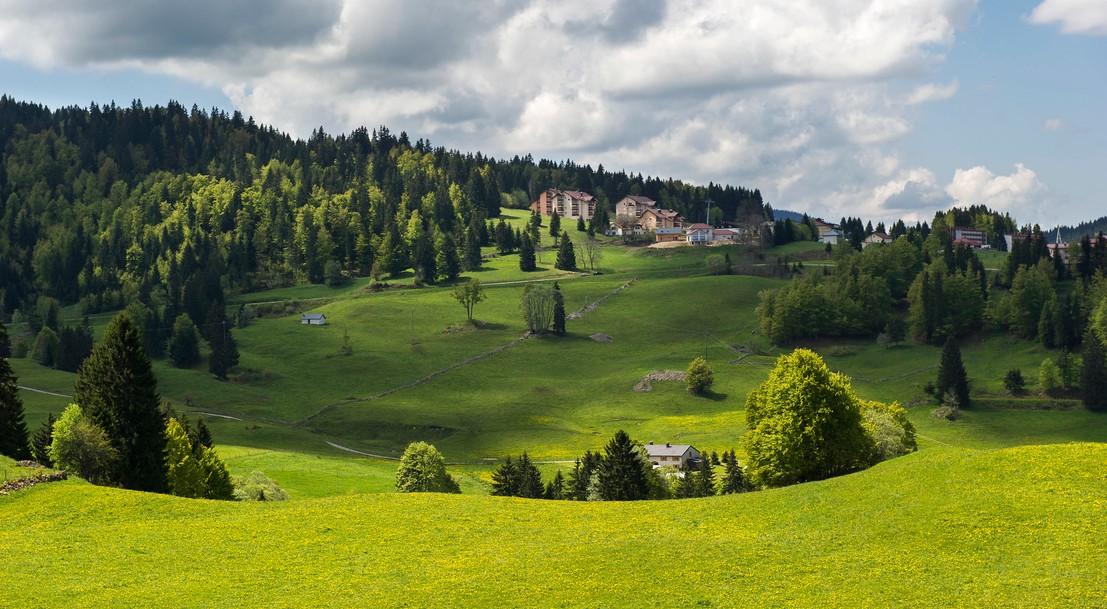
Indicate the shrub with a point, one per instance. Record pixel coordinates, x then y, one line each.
1014 382
699 376
892 433
257 487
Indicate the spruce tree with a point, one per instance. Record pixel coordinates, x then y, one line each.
705 478
530 479
555 489
184 345
559 311
13 430
951 374
623 474
41 441
472 245
505 480
734 479
117 389
580 478
566 257
555 225
527 257
581 227
203 434
224 350
1093 384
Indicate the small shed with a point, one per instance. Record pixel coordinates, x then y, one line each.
313 319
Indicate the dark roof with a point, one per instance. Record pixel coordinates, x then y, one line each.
313 316
667 450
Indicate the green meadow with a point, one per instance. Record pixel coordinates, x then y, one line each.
1000 507
943 527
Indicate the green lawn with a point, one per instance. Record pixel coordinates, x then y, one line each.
940 528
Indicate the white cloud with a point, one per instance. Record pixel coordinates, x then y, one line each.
1074 16
931 92
1020 193
803 99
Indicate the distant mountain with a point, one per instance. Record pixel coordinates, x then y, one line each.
1070 234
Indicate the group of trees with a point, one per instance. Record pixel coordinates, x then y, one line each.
622 472
805 423
107 206
116 433
543 308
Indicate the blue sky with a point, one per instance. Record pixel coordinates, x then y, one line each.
882 109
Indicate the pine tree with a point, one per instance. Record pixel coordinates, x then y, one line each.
623 471
1093 384
555 225
13 430
951 374
566 257
116 387
505 480
40 442
530 479
224 349
555 489
705 478
580 478
734 479
527 257
559 311
203 434
184 344
580 224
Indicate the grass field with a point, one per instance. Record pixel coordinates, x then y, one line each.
940 528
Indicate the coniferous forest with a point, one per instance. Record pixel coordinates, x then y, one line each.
108 206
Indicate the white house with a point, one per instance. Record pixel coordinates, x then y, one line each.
698 234
313 319
672 455
830 236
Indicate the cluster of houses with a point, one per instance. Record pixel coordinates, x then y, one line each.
635 215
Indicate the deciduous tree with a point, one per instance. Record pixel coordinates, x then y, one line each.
699 377
423 470
804 423
468 294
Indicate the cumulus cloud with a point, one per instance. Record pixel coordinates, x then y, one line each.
803 99
1074 16
1019 193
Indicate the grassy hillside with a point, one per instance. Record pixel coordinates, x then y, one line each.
940 528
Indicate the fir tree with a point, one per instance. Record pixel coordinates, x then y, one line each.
951 374
580 478
472 246
184 345
13 430
566 257
555 489
505 480
705 478
203 434
559 311
41 441
734 479
527 256
623 472
580 224
530 479
117 389
555 225
1093 385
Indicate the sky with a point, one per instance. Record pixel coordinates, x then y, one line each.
879 109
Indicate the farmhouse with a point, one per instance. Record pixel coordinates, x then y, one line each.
672 455
574 204
877 237
313 319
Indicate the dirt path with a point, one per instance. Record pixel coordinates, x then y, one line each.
43 391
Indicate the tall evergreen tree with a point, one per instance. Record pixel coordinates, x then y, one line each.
705 478
41 441
13 430
527 257
952 377
505 479
530 479
623 472
580 479
224 349
472 245
555 225
559 311
184 345
1093 386
555 489
734 479
117 389
566 257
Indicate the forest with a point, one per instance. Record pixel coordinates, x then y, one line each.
108 206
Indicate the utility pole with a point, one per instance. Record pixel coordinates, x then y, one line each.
707 220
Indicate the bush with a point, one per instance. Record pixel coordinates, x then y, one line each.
699 376
423 470
257 487
1014 382
891 431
